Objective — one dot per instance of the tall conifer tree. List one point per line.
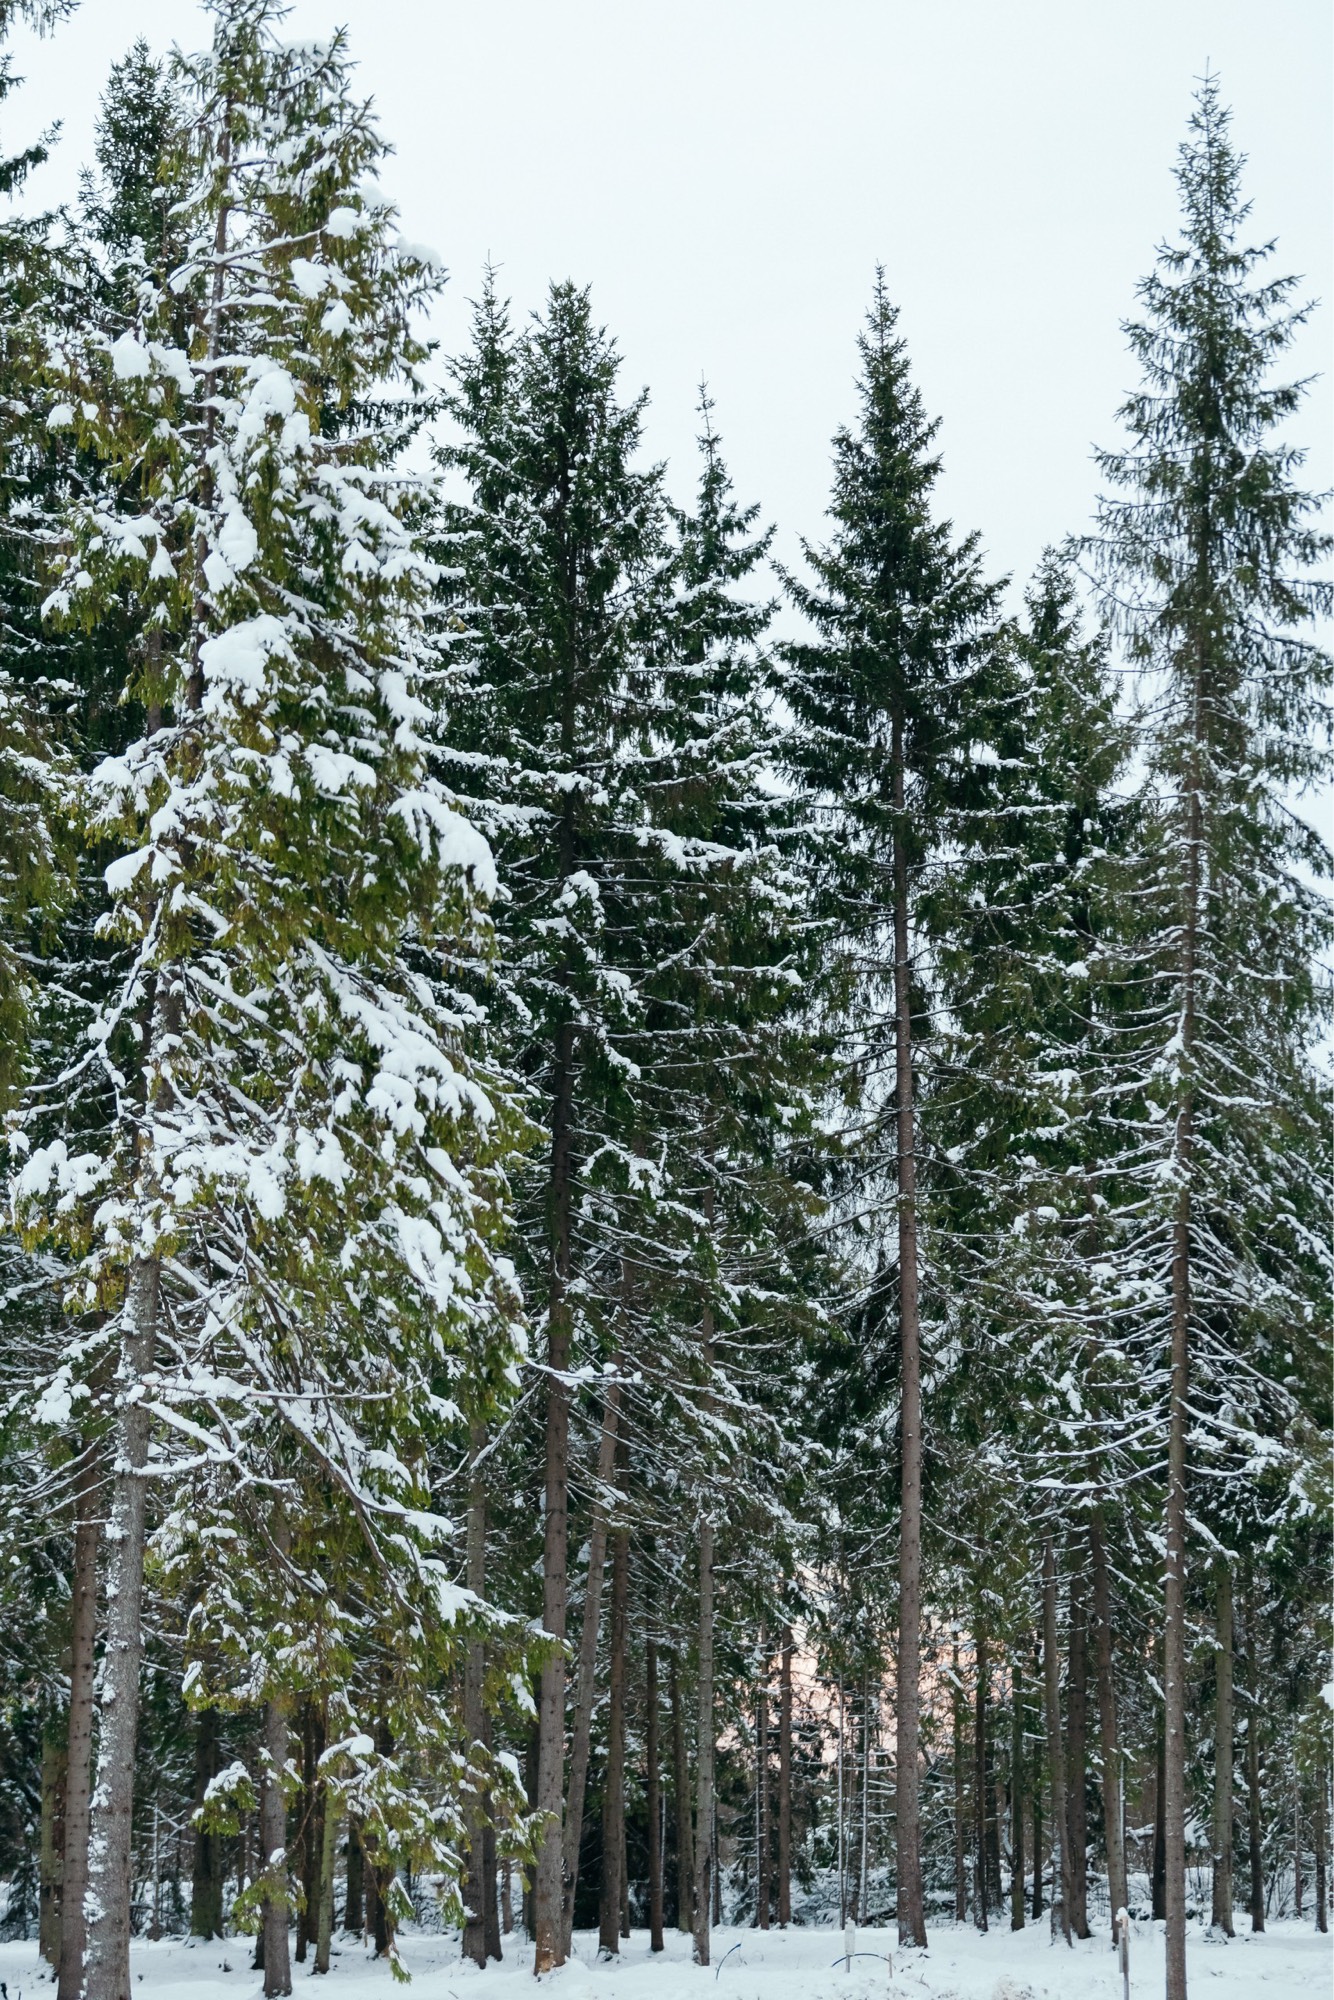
(1204, 550)
(889, 699)
(299, 1172)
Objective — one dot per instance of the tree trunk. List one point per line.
(490, 1874)
(960, 1834)
(1159, 1886)
(1017, 1769)
(354, 1900)
(625, 1876)
(548, 1888)
(1112, 1808)
(1321, 1835)
(328, 1863)
(107, 1950)
(273, 1839)
(980, 1783)
(310, 1837)
(785, 1780)
(1254, 1824)
(653, 1796)
(842, 1816)
(1223, 1755)
(474, 1712)
(703, 1898)
(79, 1745)
(1298, 1885)
(1051, 1667)
(1174, 1591)
(707, 1886)
(581, 1732)
(685, 1845)
(1039, 1762)
(1076, 1758)
(51, 1855)
(206, 1875)
(613, 1790)
(911, 1908)
(374, 1924)
(762, 1859)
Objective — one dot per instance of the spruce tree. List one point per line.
(555, 574)
(302, 1175)
(1204, 551)
(889, 699)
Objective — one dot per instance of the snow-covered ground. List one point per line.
(1290, 1959)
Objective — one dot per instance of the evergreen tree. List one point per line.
(301, 1184)
(556, 575)
(889, 701)
(1204, 550)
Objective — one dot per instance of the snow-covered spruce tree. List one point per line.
(58, 712)
(1032, 1130)
(1204, 551)
(730, 1064)
(556, 576)
(291, 1226)
(889, 700)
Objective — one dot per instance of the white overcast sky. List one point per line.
(727, 173)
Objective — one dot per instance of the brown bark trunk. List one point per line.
(1253, 1825)
(1298, 1881)
(1159, 1884)
(1039, 1762)
(653, 1797)
(79, 1750)
(474, 1712)
(685, 1845)
(548, 1887)
(1174, 1592)
(206, 1874)
(1222, 1829)
(960, 1834)
(1112, 1808)
(1076, 1759)
(1017, 1770)
(980, 1899)
(581, 1732)
(354, 1900)
(375, 1924)
(324, 1916)
(704, 1883)
(911, 1907)
(763, 1884)
(107, 1949)
(1321, 1842)
(613, 1791)
(51, 1854)
(785, 1781)
(1051, 1668)
(308, 1841)
(273, 1837)
(490, 1871)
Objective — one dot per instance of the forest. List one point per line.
(666, 1256)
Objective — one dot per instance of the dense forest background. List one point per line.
(653, 1270)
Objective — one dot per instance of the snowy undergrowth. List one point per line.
(1289, 1959)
